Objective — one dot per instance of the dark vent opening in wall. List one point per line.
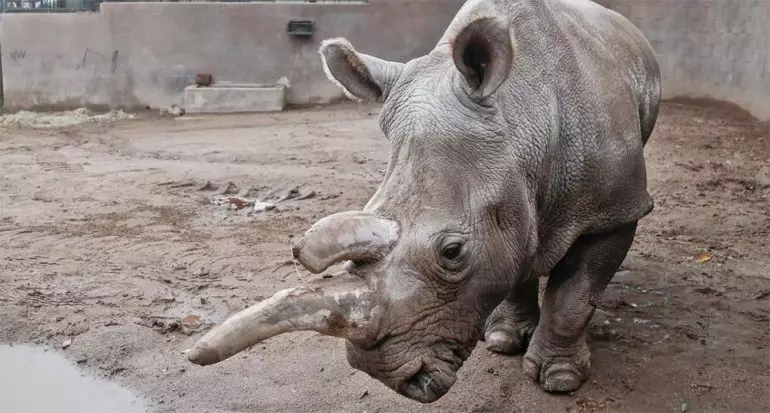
(301, 28)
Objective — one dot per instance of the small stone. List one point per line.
(66, 343)
(226, 188)
(175, 110)
(260, 206)
(191, 321)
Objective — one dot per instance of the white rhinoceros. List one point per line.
(516, 151)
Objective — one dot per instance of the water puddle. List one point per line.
(33, 380)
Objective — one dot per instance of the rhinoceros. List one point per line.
(515, 153)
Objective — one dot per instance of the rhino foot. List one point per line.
(511, 325)
(557, 373)
(509, 337)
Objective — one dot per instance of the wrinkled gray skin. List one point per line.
(516, 151)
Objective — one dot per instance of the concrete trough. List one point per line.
(235, 98)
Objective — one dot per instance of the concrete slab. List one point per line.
(235, 98)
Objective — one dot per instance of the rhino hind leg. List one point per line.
(558, 356)
(511, 325)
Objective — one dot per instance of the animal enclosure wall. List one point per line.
(717, 49)
(144, 54)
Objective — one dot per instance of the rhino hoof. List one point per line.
(506, 340)
(563, 381)
(562, 377)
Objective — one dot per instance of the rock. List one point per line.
(175, 110)
(260, 206)
(191, 322)
(66, 343)
(226, 188)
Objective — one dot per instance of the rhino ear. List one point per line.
(483, 52)
(361, 77)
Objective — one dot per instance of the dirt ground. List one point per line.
(109, 236)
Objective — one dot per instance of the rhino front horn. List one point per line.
(352, 235)
(340, 308)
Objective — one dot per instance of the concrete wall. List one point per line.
(717, 49)
(144, 54)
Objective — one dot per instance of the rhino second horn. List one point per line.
(340, 308)
(352, 235)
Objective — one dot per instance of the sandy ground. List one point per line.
(108, 236)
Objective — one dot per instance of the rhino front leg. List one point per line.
(510, 327)
(558, 357)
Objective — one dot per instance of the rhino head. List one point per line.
(439, 244)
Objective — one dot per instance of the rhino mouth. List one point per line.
(425, 388)
(435, 376)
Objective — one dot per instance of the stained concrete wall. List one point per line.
(144, 54)
(137, 54)
(718, 49)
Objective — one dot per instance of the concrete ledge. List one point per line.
(235, 98)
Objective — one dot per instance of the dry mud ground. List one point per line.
(106, 239)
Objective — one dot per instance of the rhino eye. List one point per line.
(452, 251)
(453, 256)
